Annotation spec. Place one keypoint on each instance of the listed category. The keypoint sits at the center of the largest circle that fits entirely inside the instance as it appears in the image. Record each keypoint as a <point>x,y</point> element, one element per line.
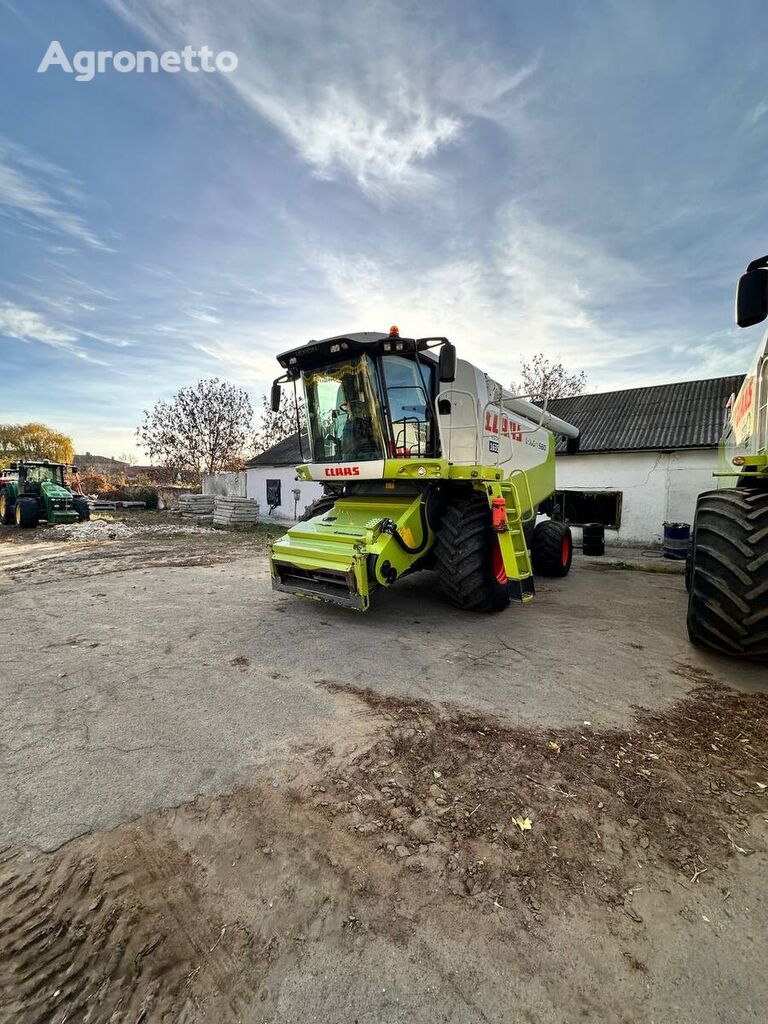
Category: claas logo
<point>342,471</point>
<point>744,403</point>
<point>508,427</point>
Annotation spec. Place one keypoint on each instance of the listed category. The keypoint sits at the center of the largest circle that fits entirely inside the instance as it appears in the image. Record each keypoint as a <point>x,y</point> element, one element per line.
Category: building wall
<point>656,487</point>
<point>228,485</point>
<point>256,487</point>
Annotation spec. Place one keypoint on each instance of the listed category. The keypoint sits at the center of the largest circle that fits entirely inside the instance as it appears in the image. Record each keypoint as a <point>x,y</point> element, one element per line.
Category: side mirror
<point>275,398</point>
<point>447,363</point>
<point>752,298</point>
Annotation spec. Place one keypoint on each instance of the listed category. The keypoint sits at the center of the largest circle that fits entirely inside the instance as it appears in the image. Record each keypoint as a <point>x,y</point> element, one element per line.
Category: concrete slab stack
<point>196,506</point>
<point>234,513</point>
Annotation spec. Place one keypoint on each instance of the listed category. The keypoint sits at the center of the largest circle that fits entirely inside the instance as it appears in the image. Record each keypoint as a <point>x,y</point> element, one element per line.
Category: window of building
<point>274,497</point>
<point>579,507</point>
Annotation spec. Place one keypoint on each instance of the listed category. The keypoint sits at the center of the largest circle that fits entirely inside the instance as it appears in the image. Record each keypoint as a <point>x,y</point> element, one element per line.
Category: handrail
<point>532,516</point>
<point>458,426</point>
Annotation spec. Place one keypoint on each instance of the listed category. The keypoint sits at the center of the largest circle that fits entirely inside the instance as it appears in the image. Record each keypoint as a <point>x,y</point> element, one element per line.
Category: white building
<point>645,455</point>
<point>271,479</point>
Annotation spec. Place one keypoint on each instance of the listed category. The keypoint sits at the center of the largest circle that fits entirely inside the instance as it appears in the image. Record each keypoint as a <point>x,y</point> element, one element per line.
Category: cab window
<point>410,409</point>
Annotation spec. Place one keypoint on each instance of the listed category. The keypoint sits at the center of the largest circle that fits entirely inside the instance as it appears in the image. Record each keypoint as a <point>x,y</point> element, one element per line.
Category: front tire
<point>82,508</point>
<point>6,508</point>
<point>552,549</point>
<point>26,513</point>
<point>467,555</point>
<point>728,584</point>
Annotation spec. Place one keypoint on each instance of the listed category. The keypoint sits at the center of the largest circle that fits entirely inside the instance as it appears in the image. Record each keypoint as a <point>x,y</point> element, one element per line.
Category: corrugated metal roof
<point>685,415</point>
<point>284,453</point>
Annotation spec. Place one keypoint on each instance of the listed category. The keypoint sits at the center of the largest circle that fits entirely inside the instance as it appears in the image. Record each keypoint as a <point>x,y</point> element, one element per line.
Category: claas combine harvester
<point>428,464</point>
<point>727,571</point>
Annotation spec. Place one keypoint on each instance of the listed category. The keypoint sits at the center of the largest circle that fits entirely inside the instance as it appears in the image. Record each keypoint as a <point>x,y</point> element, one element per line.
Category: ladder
<point>512,542</point>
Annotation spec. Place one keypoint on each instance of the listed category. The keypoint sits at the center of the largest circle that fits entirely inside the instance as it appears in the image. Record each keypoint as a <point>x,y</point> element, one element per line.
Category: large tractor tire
<point>82,508</point>
<point>26,513</point>
<point>6,507</point>
<point>552,549</point>
<point>728,579</point>
<point>468,557</point>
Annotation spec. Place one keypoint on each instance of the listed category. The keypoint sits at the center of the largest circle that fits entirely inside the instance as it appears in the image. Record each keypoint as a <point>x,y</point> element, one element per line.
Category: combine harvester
<point>429,464</point>
<point>727,571</point>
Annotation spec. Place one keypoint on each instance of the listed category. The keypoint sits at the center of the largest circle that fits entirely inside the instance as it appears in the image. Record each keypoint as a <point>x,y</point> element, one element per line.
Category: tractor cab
<point>32,476</point>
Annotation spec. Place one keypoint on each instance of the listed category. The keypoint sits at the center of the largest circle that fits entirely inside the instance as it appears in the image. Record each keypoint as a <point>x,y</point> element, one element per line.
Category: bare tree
<point>277,426</point>
<point>544,380</point>
<point>204,428</point>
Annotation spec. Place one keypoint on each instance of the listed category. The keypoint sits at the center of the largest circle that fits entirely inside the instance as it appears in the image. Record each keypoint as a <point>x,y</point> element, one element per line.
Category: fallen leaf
<point>762,785</point>
<point>524,824</point>
<point>437,775</point>
<point>553,745</point>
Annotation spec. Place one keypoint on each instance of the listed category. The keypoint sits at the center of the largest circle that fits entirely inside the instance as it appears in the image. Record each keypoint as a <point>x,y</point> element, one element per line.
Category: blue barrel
<point>677,537</point>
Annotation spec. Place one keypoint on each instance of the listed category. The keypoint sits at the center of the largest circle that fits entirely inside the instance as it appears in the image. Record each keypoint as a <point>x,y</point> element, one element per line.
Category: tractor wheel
<point>82,508</point>
<point>318,507</point>
<point>6,508</point>
<point>469,564</point>
<point>728,588</point>
<point>552,549</point>
<point>27,513</point>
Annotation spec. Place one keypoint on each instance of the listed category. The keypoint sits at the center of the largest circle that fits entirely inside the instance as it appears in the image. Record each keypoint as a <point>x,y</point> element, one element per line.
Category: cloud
<point>28,326</point>
<point>33,187</point>
<point>349,106</point>
<point>531,288</point>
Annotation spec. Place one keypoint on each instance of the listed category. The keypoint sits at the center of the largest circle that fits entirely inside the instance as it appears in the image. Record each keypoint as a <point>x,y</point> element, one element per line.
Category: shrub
<point>146,494</point>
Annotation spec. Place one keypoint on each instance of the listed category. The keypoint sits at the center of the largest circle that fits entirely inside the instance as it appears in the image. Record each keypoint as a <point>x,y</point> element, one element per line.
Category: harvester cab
<point>35,491</point>
<point>428,464</point>
<point>727,569</point>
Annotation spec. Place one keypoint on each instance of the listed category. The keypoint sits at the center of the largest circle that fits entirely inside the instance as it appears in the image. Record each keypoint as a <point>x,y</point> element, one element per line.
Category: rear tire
<point>465,553</point>
<point>728,586</point>
<point>6,508</point>
<point>552,549</point>
<point>26,513</point>
<point>82,508</point>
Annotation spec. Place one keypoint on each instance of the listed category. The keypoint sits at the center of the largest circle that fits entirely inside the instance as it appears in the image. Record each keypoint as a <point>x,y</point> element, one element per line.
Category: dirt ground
<point>222,804</point>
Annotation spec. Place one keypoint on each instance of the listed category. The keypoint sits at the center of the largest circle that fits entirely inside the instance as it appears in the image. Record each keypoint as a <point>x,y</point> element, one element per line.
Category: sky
<point>583,179</point>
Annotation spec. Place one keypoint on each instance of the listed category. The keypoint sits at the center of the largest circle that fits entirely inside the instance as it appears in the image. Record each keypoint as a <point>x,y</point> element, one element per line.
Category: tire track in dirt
<point>110,935</point>
<point>202,912</point>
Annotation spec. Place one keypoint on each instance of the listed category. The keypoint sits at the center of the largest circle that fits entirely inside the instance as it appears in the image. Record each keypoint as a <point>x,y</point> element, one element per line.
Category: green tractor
<point>35,491</point>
